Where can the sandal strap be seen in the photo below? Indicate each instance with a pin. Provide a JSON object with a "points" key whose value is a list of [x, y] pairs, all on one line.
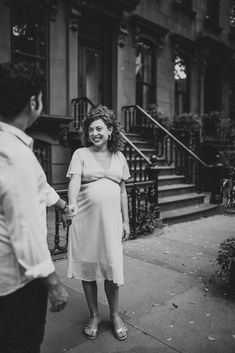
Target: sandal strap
{"points": [[121, 329], [90, 329], [94, 315]]}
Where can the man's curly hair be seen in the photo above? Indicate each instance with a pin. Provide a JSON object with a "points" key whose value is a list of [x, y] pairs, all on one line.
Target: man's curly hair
{"points": [[109, 118]]}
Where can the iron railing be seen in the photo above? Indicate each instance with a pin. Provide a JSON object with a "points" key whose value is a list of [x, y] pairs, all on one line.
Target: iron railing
{"points": [[143, 206], [137, 161], [168, 146], [57, 235], [80, 107]]}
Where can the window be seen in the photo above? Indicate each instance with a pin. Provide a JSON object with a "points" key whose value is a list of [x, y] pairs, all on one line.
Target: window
{"points": [[232, 14], [232, 20], [212, 11], [28, 33], [145, 75], [182, 94]]}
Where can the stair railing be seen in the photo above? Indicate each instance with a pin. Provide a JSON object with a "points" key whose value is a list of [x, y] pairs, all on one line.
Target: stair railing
{"points": [[57, 235], [137, 161], [80, 107], [185, 161]]}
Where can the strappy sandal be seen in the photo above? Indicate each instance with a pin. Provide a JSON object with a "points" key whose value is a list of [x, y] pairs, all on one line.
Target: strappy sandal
{"points": [[91, 332], [120, 333]]}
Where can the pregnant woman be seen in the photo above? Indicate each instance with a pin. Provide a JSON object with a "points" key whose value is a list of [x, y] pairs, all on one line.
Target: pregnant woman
{"points": [[97, 196]]}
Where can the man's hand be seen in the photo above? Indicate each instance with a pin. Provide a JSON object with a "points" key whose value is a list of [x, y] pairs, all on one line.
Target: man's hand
{"points": [[58, 297], [57, 294]]}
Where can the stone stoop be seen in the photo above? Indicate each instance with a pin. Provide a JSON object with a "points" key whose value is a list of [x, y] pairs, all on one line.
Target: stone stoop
{"points": [[178, 200]]}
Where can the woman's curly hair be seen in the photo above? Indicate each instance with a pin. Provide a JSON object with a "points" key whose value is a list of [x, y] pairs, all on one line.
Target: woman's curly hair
{"points": [[107, 115]]}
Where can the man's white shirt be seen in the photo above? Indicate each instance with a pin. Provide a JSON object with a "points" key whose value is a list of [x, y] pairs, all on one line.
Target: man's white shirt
{"points": [[24, 196]]}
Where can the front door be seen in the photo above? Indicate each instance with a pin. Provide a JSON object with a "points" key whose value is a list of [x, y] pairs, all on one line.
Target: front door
{"points": [[90, 72], [95, 58]]}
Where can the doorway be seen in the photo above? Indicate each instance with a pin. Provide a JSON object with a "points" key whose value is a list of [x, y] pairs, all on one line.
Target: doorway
{"points": [[90, 73], [95, 60]]}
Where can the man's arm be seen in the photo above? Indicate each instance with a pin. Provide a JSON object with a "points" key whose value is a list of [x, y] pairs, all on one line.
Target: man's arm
{"points": [[27, 232], [54, 199]]}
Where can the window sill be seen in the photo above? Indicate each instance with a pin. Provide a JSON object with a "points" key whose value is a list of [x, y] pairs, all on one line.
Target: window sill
{"points": [[51, 123]]}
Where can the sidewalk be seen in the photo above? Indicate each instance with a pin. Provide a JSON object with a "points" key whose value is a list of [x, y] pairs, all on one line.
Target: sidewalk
{"points": [[166, 302]]}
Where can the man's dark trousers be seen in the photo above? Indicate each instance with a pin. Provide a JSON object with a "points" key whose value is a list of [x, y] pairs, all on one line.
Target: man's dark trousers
{"points": [[22, 318]]}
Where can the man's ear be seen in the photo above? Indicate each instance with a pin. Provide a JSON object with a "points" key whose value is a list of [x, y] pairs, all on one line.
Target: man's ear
{"points": [[34, 103], [111, 129]]}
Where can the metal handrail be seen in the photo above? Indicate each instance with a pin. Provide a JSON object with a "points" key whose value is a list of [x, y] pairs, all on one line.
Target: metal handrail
{"points": [[83, 99], [169, 134], [135, 148]]}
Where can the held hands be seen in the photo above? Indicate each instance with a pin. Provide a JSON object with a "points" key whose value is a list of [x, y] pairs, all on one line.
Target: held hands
{"points": [[66, 216], [126, 231], [73, 209]]}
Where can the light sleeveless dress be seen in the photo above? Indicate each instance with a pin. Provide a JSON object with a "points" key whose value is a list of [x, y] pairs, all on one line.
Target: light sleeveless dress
{"points": [[95, 248]]}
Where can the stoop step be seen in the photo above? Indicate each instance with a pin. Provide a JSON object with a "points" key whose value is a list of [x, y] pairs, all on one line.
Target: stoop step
{"points": [[189, 213], [175, 189], [180, 201]]}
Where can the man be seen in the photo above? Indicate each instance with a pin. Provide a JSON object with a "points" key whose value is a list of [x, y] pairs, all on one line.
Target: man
{"points": [[27, 273]]}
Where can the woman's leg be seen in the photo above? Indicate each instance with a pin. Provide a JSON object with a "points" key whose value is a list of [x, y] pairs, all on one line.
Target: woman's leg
{"points": [[90, 290], [112, 293]]}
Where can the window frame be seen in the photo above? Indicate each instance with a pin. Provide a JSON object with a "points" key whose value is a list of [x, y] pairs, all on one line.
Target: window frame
{"points": [[185, 98], [26, 55], [143, 46]]}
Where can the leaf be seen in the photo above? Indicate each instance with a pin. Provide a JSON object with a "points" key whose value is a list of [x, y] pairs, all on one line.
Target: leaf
{"points": [[211, 338]]}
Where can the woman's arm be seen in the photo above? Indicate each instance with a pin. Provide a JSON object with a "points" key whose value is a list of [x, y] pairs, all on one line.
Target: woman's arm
{"points": [[73, 190], [124, 210]]}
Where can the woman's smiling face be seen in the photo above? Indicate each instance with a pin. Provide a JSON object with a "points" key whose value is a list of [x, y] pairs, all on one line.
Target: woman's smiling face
{"points": [[99, 133]]}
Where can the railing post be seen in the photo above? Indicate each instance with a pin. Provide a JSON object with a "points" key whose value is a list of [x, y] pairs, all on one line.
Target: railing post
{"points": [[153, 172], [216, 174], [134, 213]]}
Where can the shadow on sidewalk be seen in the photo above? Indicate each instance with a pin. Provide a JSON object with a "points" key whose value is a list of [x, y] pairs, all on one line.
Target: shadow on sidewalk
{"points": [[64, 329]]}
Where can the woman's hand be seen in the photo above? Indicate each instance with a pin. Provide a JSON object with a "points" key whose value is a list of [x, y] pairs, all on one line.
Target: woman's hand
{"points": [[73, 209], [126, 231]]}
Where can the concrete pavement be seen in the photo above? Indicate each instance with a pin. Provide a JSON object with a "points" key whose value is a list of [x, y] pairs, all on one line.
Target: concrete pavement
{"points": [[166, 302]]}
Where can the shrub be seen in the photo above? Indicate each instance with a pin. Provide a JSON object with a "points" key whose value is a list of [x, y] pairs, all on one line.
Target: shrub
{"points": [[225, 257]]}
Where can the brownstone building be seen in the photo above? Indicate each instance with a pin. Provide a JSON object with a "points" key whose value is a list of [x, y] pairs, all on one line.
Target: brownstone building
{"points": [[177, 54]]}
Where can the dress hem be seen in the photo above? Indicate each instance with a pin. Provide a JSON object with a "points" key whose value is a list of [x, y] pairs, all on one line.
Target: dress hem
{"points": [[95, 279]]}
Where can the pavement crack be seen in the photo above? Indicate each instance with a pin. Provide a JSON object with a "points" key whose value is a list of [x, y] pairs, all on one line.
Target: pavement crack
{"points": [[155, 338]]}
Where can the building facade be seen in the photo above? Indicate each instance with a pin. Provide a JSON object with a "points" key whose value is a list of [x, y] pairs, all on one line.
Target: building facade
{"points": [[177, 54]]}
